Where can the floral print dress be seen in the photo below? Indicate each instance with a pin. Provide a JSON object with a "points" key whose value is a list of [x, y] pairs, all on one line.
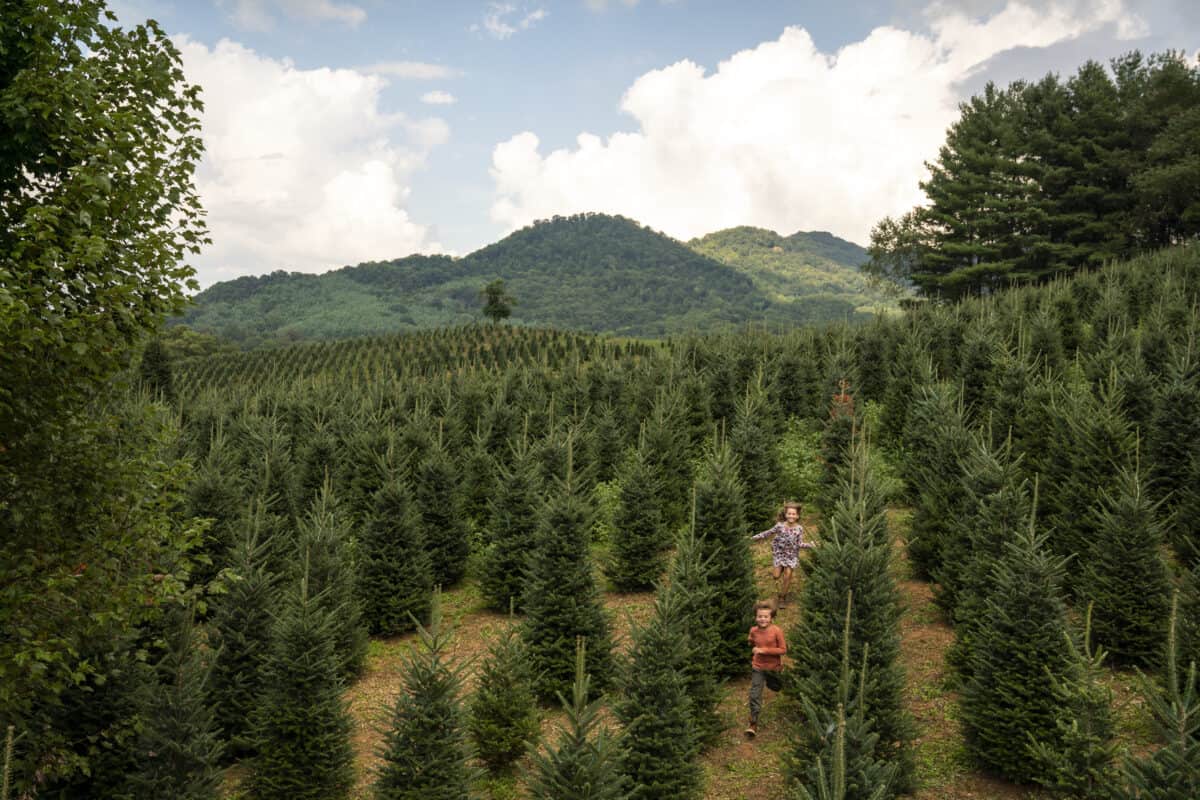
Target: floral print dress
{"points": [[786, 544]]}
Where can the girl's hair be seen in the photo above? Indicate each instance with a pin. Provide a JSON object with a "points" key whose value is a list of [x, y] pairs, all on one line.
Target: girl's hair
{"points": [[782, 515]]}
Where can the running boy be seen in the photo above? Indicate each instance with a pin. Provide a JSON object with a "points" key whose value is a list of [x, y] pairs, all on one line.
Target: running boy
{"points": [[788, 540], [766, 648]]}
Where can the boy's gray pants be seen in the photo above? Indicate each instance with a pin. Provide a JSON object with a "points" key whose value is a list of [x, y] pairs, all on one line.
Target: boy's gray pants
{"points": [[758, 678]]}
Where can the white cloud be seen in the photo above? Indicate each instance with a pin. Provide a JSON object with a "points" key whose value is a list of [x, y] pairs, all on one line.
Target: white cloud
{"points": [[414, 70], [259, 15], [782, 136], [438, 98], [302, 170], [496, 22], [602, 5]]}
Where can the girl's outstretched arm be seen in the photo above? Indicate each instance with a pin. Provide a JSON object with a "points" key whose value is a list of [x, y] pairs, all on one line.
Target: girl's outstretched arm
{"points": [[768, 532]]}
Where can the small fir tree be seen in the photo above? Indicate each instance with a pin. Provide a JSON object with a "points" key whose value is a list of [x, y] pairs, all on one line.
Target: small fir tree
{"points": [[720, 527], [1125, 575], [1020, 655], [583, 763], [301, 725], [1172, 772], [639, 535], [179, 745], [394, 576], [447, 538], [660, 741], [510, 528], [425, 750], [562, 600], [241, 633], [323, 547], [503, 715]]}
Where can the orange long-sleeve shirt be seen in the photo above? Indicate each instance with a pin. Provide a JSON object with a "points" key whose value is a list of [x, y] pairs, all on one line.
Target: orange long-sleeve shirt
{"points": [[770, 639]]}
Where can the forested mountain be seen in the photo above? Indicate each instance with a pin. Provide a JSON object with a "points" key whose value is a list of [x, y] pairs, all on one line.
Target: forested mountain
{"points": [[590, 272], [808, 270]]}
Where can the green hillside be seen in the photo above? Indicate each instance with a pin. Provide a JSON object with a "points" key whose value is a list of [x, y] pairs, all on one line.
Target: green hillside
{"points": [[592, 272], [809, 271]]}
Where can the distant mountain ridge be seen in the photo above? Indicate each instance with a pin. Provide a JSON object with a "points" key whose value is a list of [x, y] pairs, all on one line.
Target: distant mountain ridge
{"points": [[591, 272]]}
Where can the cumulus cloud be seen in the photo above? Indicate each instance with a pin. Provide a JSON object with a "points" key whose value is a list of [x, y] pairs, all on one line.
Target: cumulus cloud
{"points": [[259, 15], [302, 170], [438, 98], [412, 70], [783, 136], [602, 5], [502, 20]]}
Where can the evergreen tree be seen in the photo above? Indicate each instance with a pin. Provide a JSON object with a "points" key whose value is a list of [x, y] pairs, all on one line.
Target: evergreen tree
{"points": [[438, 494], [836, 437], [754, 438], [503, 713], [1173, 449], [323, 548], [639, 535], [660, 740], [179, 745], [394, 575], [1124, 574], [1171, 772], [1021, 652], [833, 756], [689, 579], [720, 526], [478, 470], [241, 633], [510, 528], [301, 726], [426, 747], [583, 763], [215, 493], [561, 600], [666, 439]]}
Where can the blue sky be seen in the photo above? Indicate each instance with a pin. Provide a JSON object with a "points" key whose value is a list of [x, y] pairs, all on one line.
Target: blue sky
{"points": [[340, 131]]}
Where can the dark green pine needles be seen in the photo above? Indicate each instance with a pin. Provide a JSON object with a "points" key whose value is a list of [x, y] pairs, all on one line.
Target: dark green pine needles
{"points": [[394, 581], [639, 535], [509, 528], [503, 714], [425, 749]]}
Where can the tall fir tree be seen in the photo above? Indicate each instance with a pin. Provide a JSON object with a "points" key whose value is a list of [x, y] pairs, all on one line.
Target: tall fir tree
{"points": [[689, 579], [1020, 657], [754, 438], [584, 763], [241, 632], [301, 725], [395, 581], [323, 549], [833, 744], [1171, 772], [720, 527], [426, 749], [660, 742], [510, 528], [179, 745], [438, 493], [1124, 575], [639, 538], [667, 440], [561, 599], [1173, 449], [503, 716]]}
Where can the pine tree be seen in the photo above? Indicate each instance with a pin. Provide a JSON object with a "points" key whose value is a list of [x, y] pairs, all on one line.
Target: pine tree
{"points": [[425, 750], [241, 625], [1171, 772], [179, 746], [754, 437], [660, 740], [639, 535], [1021, 650], [562, 600], [438, 494], [1173, 449], [510, 528], [836, 437], [583, 763], [155, 373], [1124, 574], [720, 526], [301, 726], [833, 757], [689, 579], [394, 575], [666, 439], [323, 548], [503, 713]]}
